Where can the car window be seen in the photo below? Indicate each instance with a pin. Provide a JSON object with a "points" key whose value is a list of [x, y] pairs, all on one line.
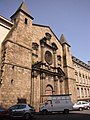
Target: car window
{"points": [[22, 106], [13, 107], [77, 103]]}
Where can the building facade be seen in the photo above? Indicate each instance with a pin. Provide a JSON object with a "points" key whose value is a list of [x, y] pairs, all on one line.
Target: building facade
{"points": [[36, 64], [82, 77]]}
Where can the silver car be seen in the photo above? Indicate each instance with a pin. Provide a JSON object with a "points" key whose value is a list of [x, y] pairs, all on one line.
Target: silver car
{"points": [[22, 111], [81, 105]]}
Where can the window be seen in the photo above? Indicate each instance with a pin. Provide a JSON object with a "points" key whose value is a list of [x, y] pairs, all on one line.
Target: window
{"points": [[85, 92], [14, 107], [22, 106], [79, 74], [82, 92], [49, 102], [12, 81], [26, 20], [83, 76], [88, 93], [78, 93], [57, 101]]}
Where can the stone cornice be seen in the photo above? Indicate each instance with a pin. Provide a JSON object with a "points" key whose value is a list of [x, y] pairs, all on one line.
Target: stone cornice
{"points": [[17, 65], [17, 44], [81, 63]]}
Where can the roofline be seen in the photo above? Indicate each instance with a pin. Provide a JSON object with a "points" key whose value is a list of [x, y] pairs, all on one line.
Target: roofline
{"points": [[78, 61], [6, 20], [57, 95], [49, 28], [23, 12]]}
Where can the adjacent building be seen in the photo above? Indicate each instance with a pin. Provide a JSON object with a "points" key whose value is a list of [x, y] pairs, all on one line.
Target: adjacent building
{"points": [[82, 77], [36, 64]]}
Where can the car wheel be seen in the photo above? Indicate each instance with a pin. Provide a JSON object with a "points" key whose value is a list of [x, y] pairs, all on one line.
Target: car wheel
{"points": [[66, 111], [80, 109], [88, 108], [27, 117], [44, 112]]}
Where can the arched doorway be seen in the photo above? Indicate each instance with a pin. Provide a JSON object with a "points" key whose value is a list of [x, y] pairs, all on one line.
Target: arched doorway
{"points": [[49, 90]]}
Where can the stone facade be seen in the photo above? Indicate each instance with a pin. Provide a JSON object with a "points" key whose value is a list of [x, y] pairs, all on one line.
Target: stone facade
{"points": [[82, 77], [35, 63]]}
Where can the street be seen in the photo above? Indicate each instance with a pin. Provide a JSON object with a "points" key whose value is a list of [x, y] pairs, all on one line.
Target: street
{"points": [[74, 115]]}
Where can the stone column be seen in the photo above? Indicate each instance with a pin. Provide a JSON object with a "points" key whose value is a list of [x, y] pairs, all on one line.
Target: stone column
{"points": [[55, 77], [56, 85], [42, 42], [34, 78], [61, 88], [42, 77], [54, 58]]}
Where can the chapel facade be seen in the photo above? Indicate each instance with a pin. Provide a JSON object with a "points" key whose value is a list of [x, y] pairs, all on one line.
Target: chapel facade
{"points": [[35, 63]]}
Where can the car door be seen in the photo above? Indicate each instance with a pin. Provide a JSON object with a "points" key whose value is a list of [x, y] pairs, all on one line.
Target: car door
{"points": [[19, 112], [12, 110], [49, 105]]}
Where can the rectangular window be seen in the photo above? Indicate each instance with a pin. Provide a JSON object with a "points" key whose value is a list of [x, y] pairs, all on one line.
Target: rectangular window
{"points": [[26, 20]]}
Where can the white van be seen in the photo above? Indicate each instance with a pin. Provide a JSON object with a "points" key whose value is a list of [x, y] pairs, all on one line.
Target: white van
{"points": [[57, 103]]}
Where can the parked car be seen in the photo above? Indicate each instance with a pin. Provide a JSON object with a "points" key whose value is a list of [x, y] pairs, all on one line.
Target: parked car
{"points": [[2, 112], [81, 105], [21, 110]]}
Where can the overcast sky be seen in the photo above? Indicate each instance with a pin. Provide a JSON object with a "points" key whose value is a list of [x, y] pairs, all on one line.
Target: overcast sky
{"points": [[70, 17]]}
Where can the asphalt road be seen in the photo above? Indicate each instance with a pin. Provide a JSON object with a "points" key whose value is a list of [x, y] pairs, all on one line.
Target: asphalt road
{"points": [[74, 115]]}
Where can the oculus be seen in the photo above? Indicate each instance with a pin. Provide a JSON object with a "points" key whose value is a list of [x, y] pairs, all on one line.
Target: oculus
{"points": [[48, 57]]}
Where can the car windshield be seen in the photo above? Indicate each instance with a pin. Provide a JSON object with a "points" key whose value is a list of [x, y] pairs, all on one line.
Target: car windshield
{"points": [[14, 107], [17, 107]]}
